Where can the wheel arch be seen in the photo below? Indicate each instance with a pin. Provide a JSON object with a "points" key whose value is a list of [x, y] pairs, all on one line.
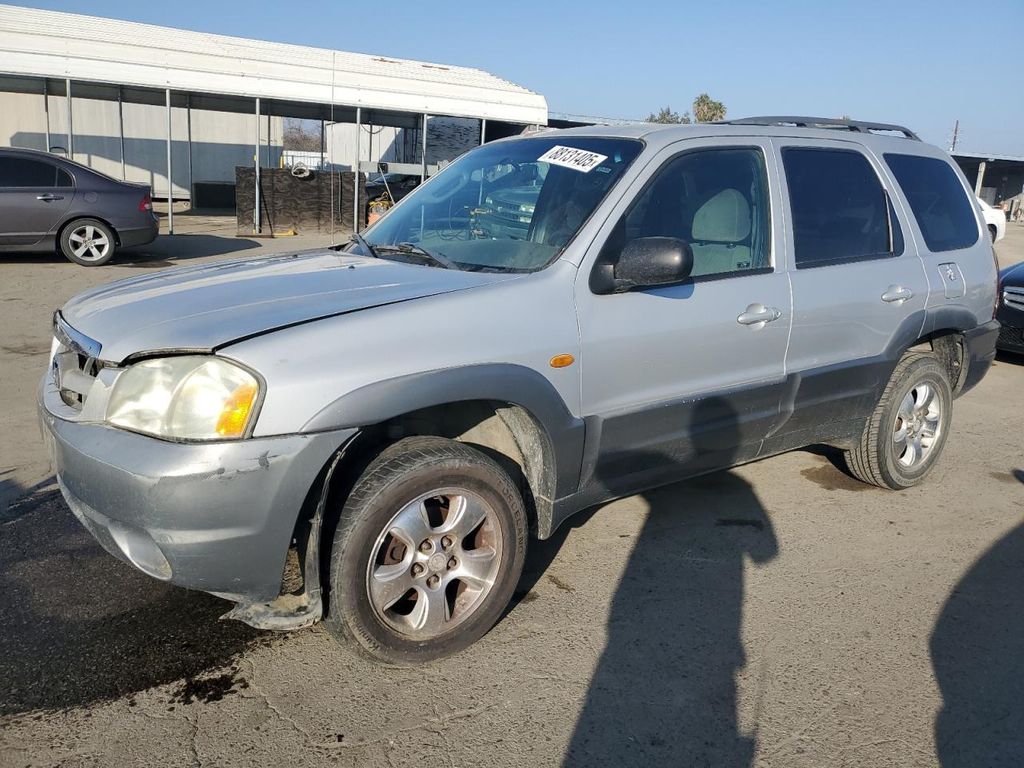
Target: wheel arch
{"points": [[944, 335], [548, 437], [71, 219]]}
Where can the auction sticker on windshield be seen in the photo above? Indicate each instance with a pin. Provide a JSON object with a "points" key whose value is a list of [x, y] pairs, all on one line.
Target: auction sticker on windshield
{"points": [[570, 157]]}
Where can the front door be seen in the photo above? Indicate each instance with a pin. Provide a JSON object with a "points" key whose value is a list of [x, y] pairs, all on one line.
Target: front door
{"points": [[34, 195], [687, 378]]}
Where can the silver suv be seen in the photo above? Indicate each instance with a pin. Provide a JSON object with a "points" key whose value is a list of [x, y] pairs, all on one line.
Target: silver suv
{"points": [[551, 322]]}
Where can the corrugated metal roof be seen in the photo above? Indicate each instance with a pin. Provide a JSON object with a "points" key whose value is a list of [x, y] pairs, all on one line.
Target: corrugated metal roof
{"points": [[53, 44], [989, 158]]}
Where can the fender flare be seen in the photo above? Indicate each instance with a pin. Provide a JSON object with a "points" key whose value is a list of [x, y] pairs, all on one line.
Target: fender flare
{"points": [[505, 382]]}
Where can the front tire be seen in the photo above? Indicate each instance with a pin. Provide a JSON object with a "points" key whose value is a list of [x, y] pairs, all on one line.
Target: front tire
{"points": [[427, 553], [88, 242], [905, 435]]}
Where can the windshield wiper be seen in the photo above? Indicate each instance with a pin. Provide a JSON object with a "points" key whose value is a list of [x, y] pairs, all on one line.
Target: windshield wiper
{"points": [[362, 243], [416, 250]]}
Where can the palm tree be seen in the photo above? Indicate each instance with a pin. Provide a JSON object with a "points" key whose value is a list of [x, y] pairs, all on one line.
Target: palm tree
{"points": [[707, 110]]}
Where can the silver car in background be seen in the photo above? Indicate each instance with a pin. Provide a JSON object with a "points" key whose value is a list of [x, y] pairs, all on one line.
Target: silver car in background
{"points": [[551, 322]]}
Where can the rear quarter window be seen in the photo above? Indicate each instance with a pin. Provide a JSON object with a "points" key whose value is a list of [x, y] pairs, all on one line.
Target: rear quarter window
{"points": [[940, 204]]}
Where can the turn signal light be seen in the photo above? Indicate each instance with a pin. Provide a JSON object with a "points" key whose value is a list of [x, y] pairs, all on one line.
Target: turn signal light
{"points": [[235, 413], [562, 361]]}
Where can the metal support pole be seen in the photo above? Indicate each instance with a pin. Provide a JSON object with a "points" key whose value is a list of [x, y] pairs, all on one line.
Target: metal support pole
{"points": [[46, 110], [423, 171], [71, 131], [981, 178], [188, 124], [120, 129], [483, 131], [355, 171], [170, 183], [257, 223]]}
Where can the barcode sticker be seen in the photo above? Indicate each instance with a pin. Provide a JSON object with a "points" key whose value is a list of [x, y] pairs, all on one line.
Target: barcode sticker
{"points": [[570, 157]]}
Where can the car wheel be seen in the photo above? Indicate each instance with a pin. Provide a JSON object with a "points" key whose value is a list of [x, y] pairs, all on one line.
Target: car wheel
{"points": [[993, 232], [907, 431], [427, 552], [88, 242]]}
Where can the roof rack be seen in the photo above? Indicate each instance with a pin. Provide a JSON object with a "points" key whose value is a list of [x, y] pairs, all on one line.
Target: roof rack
{"points": [[860, 126]]}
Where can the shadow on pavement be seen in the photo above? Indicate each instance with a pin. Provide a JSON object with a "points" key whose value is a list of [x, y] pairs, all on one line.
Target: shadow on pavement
{"points": [[664, 691], [1002, 356], [977, 650], [78, 626], [165, 251]]}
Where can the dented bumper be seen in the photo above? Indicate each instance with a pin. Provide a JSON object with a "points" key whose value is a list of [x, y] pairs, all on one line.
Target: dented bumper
{"points": [[216, 517]]}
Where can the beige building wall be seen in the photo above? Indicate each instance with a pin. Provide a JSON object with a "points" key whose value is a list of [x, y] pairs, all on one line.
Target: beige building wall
{"points": [[219, 140]]}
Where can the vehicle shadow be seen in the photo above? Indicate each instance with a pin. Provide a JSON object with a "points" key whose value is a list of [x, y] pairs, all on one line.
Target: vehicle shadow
{"points": [[1002, 356], [664, 691], [165, 251], [977, 650], [78, 626]]}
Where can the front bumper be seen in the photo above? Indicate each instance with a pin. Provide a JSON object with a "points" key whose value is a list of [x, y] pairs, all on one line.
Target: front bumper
{"points": [[216, 517], [1011, 337]]}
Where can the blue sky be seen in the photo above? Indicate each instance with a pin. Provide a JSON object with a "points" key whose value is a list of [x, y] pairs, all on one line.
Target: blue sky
{"points": [[922, 64]]}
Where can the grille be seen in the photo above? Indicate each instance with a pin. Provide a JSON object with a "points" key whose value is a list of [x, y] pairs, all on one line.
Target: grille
{"points": [[1014, 297], [1010, 337], [75, 363], [74, 374]]}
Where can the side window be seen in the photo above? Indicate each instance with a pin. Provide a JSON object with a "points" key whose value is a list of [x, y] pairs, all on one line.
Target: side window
{"points": [[22, 172], [938, 200], [840, 210], [716, 200]]}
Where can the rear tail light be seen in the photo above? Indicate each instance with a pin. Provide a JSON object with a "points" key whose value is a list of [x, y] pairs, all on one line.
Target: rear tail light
{"points": [[146, 204]]}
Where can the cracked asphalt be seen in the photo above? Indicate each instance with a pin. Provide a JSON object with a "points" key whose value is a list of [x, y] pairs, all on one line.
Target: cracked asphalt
{"points": [[779, 614]]}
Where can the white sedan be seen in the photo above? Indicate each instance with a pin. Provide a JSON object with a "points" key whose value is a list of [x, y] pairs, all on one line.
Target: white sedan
{"points": [[995, 219]]}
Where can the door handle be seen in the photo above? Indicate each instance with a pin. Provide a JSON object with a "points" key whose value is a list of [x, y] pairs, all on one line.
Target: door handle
{"points": [[756, 315], [897, 294], [47, 197]]}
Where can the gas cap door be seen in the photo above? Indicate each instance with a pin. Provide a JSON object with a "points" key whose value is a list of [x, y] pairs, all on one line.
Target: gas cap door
{"points": [[952, 279]]}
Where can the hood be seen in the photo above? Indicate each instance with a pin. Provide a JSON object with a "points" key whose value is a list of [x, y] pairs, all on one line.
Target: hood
{"points": [[208, 306], [1013, 275]]}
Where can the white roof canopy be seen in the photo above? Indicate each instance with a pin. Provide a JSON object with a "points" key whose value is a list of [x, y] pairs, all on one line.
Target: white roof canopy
{"points": [[39, 43]]}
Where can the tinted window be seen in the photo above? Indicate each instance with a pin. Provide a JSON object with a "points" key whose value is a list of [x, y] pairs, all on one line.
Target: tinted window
{"points": [[716, 200], [840, 210], [938, 200], [23, 172]]}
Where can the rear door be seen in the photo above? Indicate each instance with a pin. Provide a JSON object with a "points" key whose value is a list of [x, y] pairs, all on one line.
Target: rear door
{"points": [[34, 196], [859, 288]]}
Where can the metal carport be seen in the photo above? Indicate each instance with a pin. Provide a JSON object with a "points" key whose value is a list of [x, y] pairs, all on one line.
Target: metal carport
{"points": [[62, 54]]}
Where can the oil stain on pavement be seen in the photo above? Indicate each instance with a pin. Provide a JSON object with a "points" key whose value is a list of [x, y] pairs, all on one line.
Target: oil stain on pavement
{"points": [[78, 626]]}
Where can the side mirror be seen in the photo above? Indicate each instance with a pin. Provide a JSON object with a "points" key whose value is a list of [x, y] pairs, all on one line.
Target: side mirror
{"points": [[644, 263]]}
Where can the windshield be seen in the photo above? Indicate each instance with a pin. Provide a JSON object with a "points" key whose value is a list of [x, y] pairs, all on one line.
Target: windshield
{"points": [[511, 206]]}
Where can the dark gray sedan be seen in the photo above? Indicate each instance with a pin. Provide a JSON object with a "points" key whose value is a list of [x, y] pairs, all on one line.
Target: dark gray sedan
{"points": [[49, 202]]}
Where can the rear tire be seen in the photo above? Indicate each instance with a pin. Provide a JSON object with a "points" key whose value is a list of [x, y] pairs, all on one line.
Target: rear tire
{"points": [[428, 550], [88, 242], [905, 435]]}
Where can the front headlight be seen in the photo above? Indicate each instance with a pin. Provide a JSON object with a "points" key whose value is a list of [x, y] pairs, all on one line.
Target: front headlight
{"points": [[191, 397]]}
